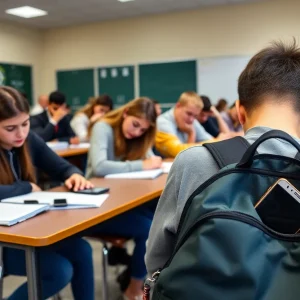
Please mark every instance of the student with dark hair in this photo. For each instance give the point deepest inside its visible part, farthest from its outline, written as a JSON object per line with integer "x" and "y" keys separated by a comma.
{"x": 95, "y": 109}
{"x": 21, "y": 153}
{"x": 222, "y": 105}
{"x": 268, "y": 87}
{"x": 157, "y": 107}
{"x": 53, "y": 123}
{"x": 211, "y": 119}
{"x": 230, "y": 117}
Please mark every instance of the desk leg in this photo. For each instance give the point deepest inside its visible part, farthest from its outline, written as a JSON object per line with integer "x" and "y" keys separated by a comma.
{"x": 1, "y": 273}
{"x": 32, "y": 268}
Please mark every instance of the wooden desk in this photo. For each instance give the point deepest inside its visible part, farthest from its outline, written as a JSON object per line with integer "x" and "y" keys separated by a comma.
{"x": 72, "y": 152}
{"x": 54, "y": 226}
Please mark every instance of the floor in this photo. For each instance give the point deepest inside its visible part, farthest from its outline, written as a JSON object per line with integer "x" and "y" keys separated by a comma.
{"x": 11, "y": 282}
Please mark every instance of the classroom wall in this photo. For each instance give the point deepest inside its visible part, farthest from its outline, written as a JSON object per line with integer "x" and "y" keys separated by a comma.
{"x": 21, "y": 45}
{"x": 216, "y": 31}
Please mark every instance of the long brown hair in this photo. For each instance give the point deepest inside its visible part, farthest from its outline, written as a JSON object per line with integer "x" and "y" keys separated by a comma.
{"x": 136, "y": 148}
{"x": 88, "y": 109}
{"x": 11, "y": 104}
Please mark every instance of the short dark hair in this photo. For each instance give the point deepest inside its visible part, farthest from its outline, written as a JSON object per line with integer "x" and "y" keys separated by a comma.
{"x": 57, "y": 98}
{"x": 206, "y": 103}
{"x": 104, "y": 100}
{"x": 274, "y": 71}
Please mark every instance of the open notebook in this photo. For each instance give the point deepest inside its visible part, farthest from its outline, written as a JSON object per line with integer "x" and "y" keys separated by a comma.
{"x": 147, "y": 174}
{"x": 73, "y": 201}
{"x": 11, "y": 214}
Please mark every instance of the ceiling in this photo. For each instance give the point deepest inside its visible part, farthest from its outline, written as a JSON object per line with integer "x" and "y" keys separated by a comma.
{"x": 74, "y": 12}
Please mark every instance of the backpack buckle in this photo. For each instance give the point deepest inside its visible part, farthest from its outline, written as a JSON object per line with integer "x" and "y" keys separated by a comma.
{"x": 148, "y": 283}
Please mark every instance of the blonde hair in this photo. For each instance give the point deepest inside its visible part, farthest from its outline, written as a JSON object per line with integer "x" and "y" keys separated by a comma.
{"x": 133, "y": 149}
{"x": 190, "y": 98}
{"x": 88, "y": 109}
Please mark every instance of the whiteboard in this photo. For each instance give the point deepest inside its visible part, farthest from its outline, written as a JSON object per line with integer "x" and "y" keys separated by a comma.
{"x": 218, "y": 77}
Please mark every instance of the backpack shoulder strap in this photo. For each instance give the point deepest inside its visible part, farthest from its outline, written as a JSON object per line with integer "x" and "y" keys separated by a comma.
{"x": 228, "y": 151}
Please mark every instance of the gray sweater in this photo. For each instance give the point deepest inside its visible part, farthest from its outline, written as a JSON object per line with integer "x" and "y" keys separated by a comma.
{"x": 190, "y": 169}
{"x": 101, "y": 157}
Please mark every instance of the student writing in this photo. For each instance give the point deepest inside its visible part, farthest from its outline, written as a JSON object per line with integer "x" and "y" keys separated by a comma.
{"x": 21, "y": 153}
{"x": 121, "y": 142}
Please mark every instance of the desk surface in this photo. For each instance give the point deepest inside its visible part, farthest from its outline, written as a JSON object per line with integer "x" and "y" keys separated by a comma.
{"x": 72, "y": 152}
{"x": 54, "y": 226}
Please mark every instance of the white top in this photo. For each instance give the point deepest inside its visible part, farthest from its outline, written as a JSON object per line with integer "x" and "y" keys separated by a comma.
{"x": 36, "y": 110}
{"x": 80, "y": 124}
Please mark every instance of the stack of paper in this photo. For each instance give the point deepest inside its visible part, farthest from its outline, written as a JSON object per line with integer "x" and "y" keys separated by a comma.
{"x": 73, "y": 200}
{"x": 11, "y": 214}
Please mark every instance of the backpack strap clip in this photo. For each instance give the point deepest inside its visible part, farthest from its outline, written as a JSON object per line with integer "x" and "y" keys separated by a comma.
{"x": 228, "y": 152}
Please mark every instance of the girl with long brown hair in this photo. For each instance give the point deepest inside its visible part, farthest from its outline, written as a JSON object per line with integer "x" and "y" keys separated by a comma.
{"x": 21, "y": 153}
{"x": 95, "y": 109}
{"x": 122, "y": 142}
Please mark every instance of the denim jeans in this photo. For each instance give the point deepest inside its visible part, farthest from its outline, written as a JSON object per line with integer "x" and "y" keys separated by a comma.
{"x": 67, "y": 262}
{"x": 134, "y": 224}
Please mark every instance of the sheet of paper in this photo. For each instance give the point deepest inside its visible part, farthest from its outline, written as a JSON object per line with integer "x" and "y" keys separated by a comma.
{"x": 151, "y": 174}
{"x": 58, "y": 145}
{"x": 80, "y": 146}
{"x": 166, "y": 166}
{"x": 74, "y": 201}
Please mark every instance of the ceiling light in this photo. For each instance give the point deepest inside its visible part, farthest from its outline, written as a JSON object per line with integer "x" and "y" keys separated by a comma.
{"x": 26, "y": 12}
{"x": 125, "y": 0}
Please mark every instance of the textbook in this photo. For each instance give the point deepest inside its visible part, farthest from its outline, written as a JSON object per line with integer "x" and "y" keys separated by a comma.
{"x": 60, "y": 201}
{"x": 11, "y": 213}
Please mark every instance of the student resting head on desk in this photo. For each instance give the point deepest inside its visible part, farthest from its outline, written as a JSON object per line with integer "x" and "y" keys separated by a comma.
{"x": 178, "y": 129}
{"x": 122, "y": 142}
{"x": 21, "y": 152}
{"x": 95, "y": 109}
{"x": 53, "y": 124}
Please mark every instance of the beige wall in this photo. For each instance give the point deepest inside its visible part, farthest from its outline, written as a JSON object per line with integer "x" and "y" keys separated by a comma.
{"x": 230, "y": 30}
{"x": 22, "y": 46}
{"x": 215, "y": 31}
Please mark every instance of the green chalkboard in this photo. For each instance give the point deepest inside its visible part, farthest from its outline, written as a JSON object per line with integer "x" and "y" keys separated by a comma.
{"x": 78, "y": 85}
{"x": 118, "y": 82}
{"x": 166, "y": 81}
{"x": 19, "y": 77}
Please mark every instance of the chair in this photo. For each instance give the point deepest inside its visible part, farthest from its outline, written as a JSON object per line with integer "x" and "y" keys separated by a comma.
{"x": 115, "y": 241}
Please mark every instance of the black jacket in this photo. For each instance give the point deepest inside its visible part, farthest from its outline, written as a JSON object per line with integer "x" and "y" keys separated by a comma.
{"x": 43, "y": 158}
{"x": 40, "y": 124}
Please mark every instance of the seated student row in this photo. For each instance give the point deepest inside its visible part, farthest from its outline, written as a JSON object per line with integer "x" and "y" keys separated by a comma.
{"x": 51, "y": 120}
{"x": 135, "y": 126}
{"x": 121, "y": 133}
